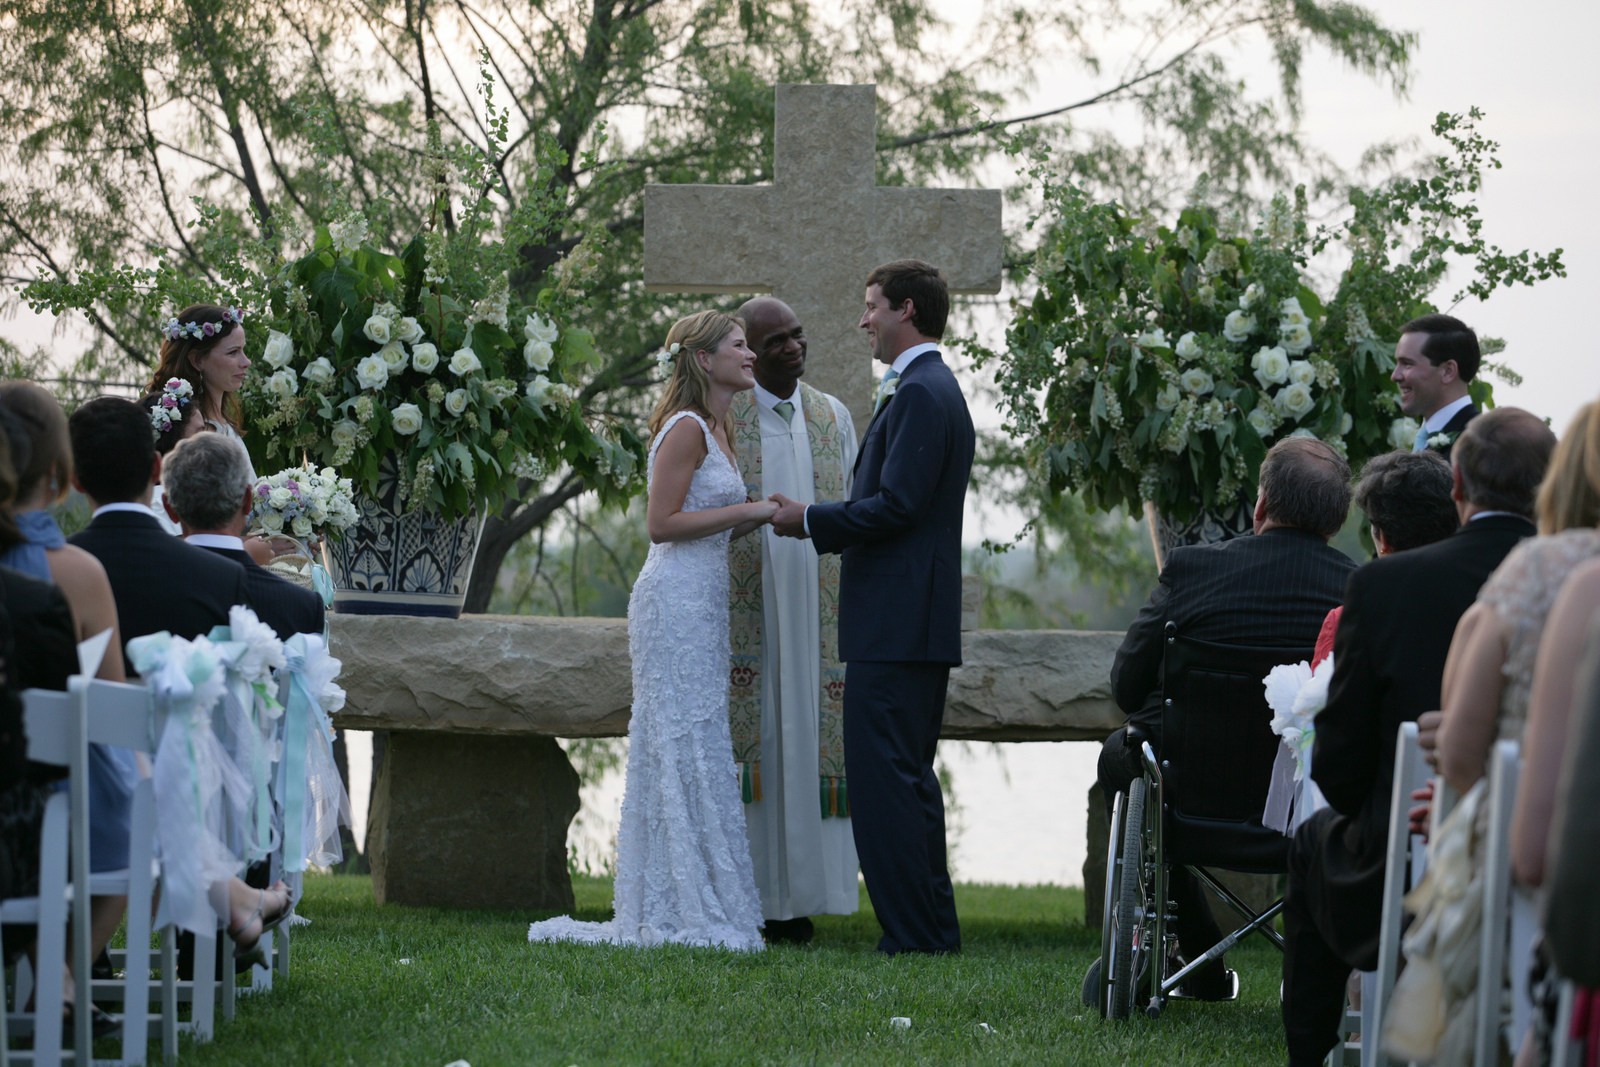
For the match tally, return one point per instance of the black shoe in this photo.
(788, 931)
(101, 1025)
(101, 968)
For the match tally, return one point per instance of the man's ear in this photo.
(249, 498)
(1449, 372)
(1261, 509)
(155, 470)
(1458, 487)
(908, 311)
(172, 512)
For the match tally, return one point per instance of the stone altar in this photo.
(472, 805)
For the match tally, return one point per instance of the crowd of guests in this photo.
(1479, 619)
(133, 570)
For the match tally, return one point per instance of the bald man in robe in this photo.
(786, 692)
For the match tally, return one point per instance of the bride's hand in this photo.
(761, 511)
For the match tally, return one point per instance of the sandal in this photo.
(253, 952)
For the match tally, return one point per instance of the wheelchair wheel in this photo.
(1096, 982)
(1126, 971)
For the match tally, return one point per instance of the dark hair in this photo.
(1448, 338)
(1306, 484)
(114, 447)
(1502, 456)
(923, 285)
(1407, 496)
(167, 440)
(39, 414)
(12, 441)
(178, 356)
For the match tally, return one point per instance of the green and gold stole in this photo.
(745, 607)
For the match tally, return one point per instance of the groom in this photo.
(899, 536)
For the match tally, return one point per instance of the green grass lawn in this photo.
(476, 990)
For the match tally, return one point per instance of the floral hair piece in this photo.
(169, 409)
(177, 331)
(664, 356)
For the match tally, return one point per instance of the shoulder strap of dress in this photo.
(672, 421)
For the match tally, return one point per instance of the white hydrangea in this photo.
(1271, 366)
(349, 233)
(1188, 347)
(372, 373)
(1206, 294)
(1356, 327)
(1238, 326)
(1196, 381)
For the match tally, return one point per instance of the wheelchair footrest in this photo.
(1179, 993)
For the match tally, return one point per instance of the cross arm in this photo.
(708, 239)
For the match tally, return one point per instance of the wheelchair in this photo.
(1197, 806)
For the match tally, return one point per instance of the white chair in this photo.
(1564, 1051)
(1504, 765)
(63, 725)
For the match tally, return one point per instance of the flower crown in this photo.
(169, 409)
(201, 330)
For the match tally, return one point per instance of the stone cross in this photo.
(812, 236)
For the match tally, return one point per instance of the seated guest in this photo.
(207, 481)
(1270, 590)
(1388, 658)
(160, 582)
(43, 478)
(1407, 498)
(1490, 669)
(174, 417)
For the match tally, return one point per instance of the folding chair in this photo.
(1504, 765)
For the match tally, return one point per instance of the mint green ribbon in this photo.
(259, 839)
(301, 710)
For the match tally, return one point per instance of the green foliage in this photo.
(1157, 363)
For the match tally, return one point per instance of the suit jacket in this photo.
(278, 602)
(900, 532)
(1267, 590)
(160, 582)
(38, 650)
(1457, 423)
(1388, 664)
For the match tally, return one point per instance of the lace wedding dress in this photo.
(683, 862)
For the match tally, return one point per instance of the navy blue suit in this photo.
(278, 602)
(900, 633)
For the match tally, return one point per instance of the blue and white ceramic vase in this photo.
(1208, 526)
(393, 562)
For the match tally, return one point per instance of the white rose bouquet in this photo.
(303, 502)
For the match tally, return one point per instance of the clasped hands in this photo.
(789, 519)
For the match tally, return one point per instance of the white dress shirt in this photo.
(141, 509)
(1441, 418)
(771, 400)
(203, 540)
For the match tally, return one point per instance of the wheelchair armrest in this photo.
(1135, 735)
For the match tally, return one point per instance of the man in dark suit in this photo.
(1269, 590)
(899, 535)
(207, 490)
(1399, 616)
(1434, 363)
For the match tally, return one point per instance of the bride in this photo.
(683, 861)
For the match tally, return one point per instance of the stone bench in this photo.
(474, 796)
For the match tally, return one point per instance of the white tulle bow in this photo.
(250, 651)
(1296, 693)
(314, 799)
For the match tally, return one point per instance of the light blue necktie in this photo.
(1421, 444)
(785, 410)
(883, 387)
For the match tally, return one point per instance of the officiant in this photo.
(786, 692)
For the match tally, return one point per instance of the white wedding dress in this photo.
(683, 861)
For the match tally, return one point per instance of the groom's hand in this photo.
(790, 518)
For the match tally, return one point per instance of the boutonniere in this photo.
(889, 387)
(1442, 440)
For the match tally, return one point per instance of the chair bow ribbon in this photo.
(313, 796)
(250, 651)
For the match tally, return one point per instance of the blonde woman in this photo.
(684, 874)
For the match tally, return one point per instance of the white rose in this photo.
(538, 354)
(301, 527)
(319, 371)
(464, 362)
(1168, 397)
(539, 328)
(279, 498)
(1296, 338)
(1290, 313)
(1153, 338)
(1238, 326)
(1303, 432)
(1260, 421)
(1302, 371)
(1252, 293)
(394, 356)
(409, 330)
(1271, 366)
(1197, 381)
(272, 522)
(283, 383)
(1188, 346)
(279, 349)
(343, 433)
(372, 373)
(455, 401)
(406, 419)
(1403, 432)
(377, 330)
(424, 357)
(1345, 422)
(1293, 400)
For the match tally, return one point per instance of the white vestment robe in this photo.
(804, 864)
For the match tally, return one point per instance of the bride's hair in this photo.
(688, 387)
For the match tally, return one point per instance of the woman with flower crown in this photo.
(684, 873)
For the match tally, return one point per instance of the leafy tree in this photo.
(152, 148)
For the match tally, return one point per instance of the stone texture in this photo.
(472, 822)
(564, 677)
(812, 236)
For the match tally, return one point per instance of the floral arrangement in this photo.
(368, 356)
(175, 395)
(1157, 363)
(303, 501)
(200, 330)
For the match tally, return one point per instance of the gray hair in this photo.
(205, 478)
